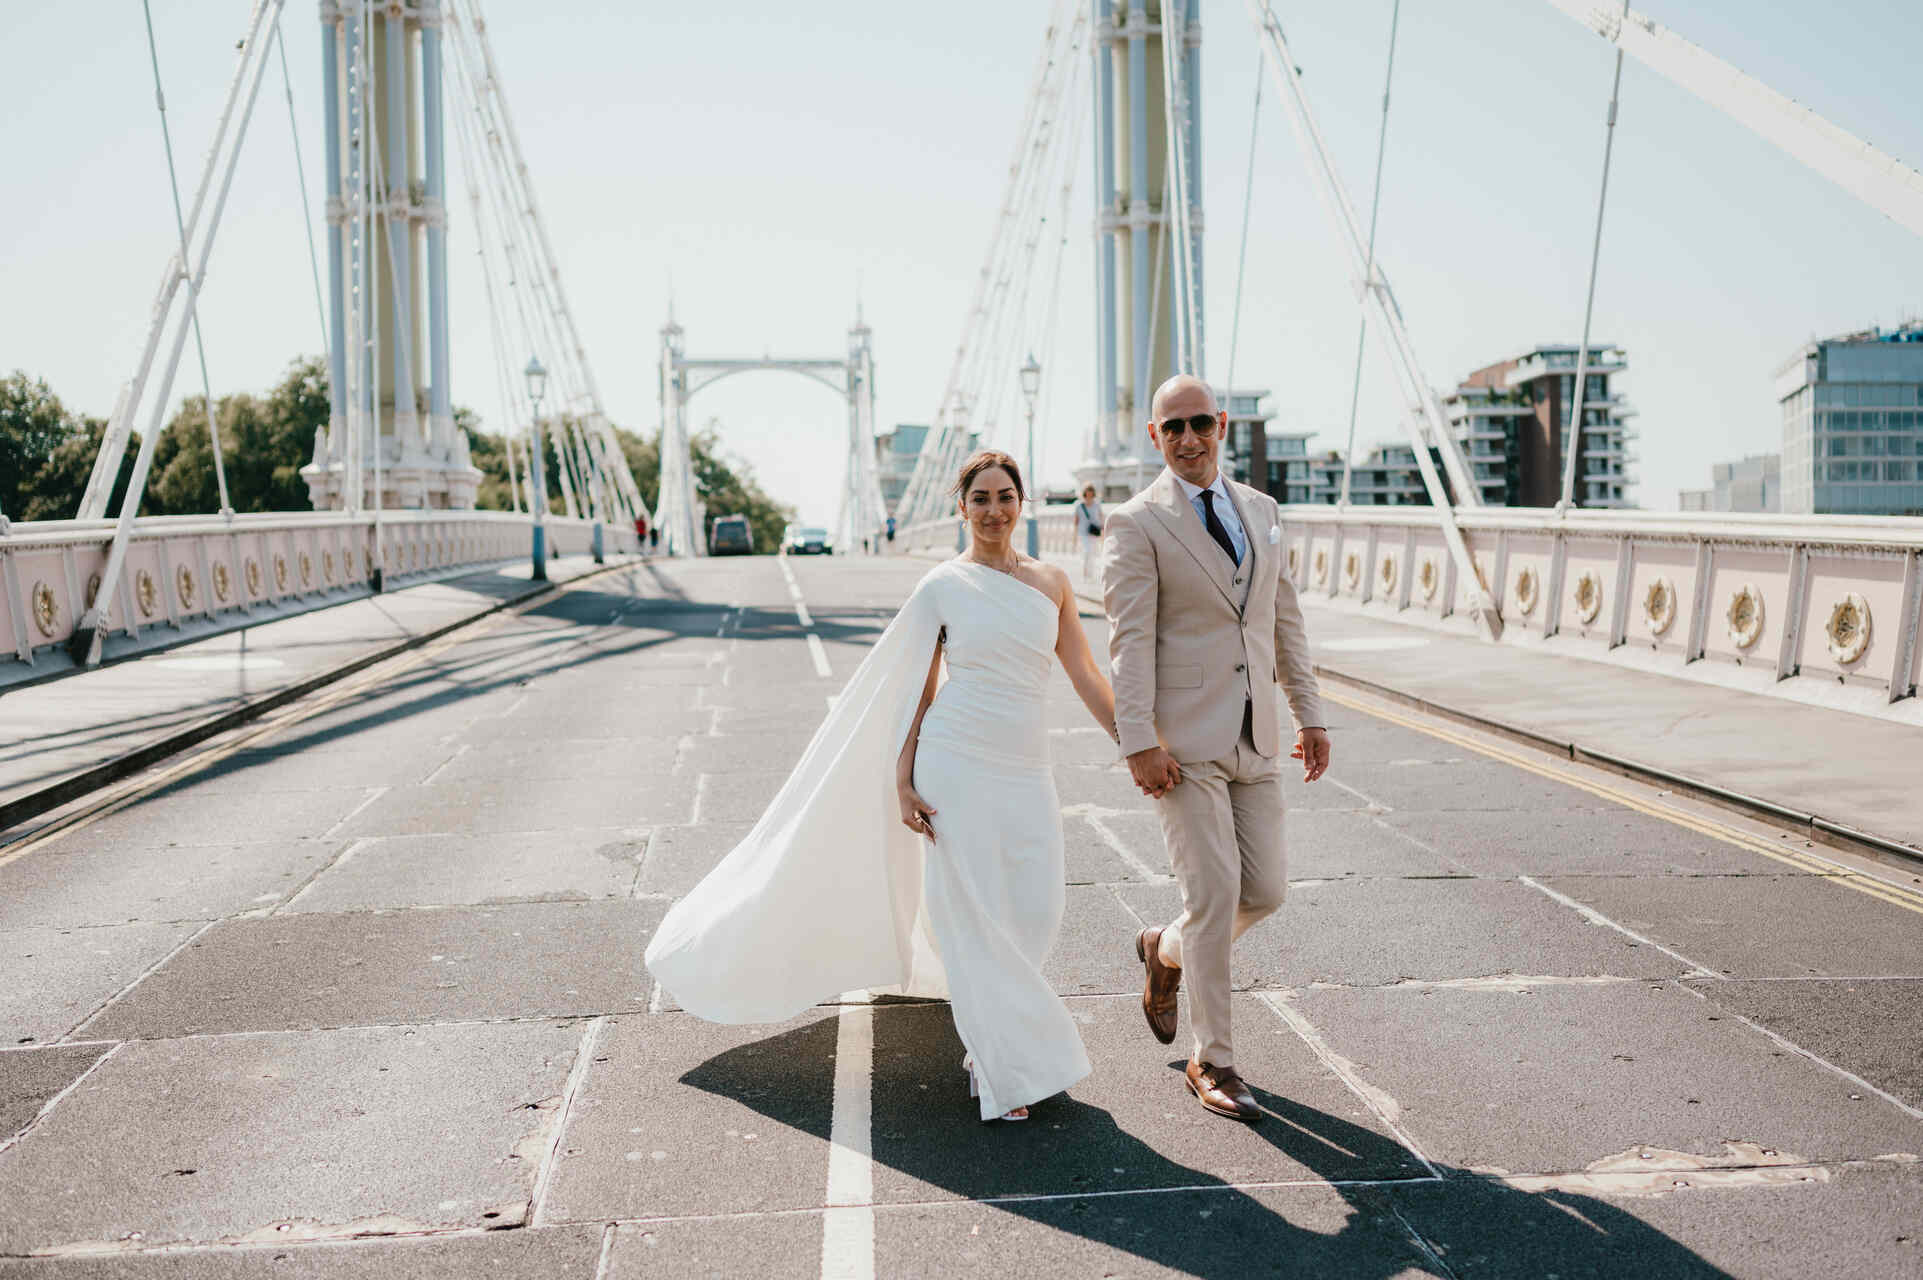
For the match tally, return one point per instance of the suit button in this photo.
(1240, 667)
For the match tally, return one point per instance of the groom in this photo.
(1203, 624)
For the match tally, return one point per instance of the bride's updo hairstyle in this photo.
(983, 461)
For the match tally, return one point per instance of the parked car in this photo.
(731, 536)
(806, 540)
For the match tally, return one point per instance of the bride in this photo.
(916, 849)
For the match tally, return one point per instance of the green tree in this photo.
(730, 489)
(264, 442)
(62, 480)
(33, 423)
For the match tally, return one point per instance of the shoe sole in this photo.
(1142, 955)
(1228, 1112)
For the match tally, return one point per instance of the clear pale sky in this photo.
(764, 157)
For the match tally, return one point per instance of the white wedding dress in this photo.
(830, 892)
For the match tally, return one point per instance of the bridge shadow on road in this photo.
(1091, 1176)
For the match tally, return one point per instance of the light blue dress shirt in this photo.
(1224, 511)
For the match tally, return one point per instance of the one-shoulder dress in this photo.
(830, 892)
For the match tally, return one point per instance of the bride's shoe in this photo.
(974, 1091)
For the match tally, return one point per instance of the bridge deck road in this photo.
(367, 999)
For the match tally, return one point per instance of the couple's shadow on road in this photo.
(1074, 1170)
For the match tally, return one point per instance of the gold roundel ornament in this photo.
(1745, 616)
(1659, 605)
(223, 581)
(146, 594)
(306, 569)
(1588, 595)
(327, 565)
(46, 609)
(93, 589)
(1528, 589)
(185, 587)
(280, 572)
(1849, 628)
(1387, 572)
(1295, 557)
(252, 573)
(1352, 569)
(1321, 566)
(1428, 578)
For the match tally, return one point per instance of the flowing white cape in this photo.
(824, 895)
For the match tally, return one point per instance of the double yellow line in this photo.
(1835, 872)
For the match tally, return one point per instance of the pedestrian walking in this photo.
(1088, 530)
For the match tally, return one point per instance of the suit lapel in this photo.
(1177, 513)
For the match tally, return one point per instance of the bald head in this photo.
(1182, 396)
(1195, 426)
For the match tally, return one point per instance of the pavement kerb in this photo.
(1822, 830)
(76, 785)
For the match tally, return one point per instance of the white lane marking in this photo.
(1385, 1107)
(848, 1218)
(458, 753)
(1363, 796)
(577, 1073)
(1094, 814)
(373, 794)
(1596, 917)
(820, 655)
(353, 848)
(1797, 1049)
(801, 614)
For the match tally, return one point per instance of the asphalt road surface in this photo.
(365, 997)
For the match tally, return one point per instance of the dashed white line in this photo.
(820, 655)
(848, 1219)
(1596, 917)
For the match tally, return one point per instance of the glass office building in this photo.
(1852, 410)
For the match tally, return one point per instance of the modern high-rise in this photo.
(896, 452)
(1512, 418)
(1754, 484)
(1852, 409)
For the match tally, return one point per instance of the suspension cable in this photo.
(1368, 265)
(1248, 204)
(193, 288)
(300, 174)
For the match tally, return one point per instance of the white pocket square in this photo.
(1275, 534)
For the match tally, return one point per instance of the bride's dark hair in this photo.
(981, 462)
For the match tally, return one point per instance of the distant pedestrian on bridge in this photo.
(641, 529)
(953, 884)
(1088, 530)
(1203, 624)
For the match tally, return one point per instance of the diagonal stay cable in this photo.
(1368, 266)
(300, 175)
(1248, 205)
(193, 287)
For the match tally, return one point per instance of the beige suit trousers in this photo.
(1223, 826)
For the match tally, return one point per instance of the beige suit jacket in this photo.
(1192, 638)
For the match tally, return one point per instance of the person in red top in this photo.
(641, 529)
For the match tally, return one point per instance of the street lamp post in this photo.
(1032, 383)
(537, 383)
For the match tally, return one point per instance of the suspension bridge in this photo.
(331, 839)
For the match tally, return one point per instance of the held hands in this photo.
(1154, 771)
(915, 812)
(1312, 749)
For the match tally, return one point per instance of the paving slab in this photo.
(179, 817)
(1210, 1234)
(74, 883)
(565, 1253)
(1873, 1028)
(679, 1116)
(1106, 787)
(1764, 926)
(299, 971)
(1457, 785)
(1330, 844)
(1095, 951)
(1853, 1222)
(735, 797)
(278, 766)
(281, 1137)
(776, 1247)
(1089, 857)
(1552, 1078)
(742, 753)
(30, 1078)
(1081, 744)
(1369, 933)
(545, 758)
(570, 865)
(523, 805)
(1130, 1126)
(57, 977)
(678, 856)
(550, 724)
(1608, 841)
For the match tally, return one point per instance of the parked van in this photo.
(731, 536)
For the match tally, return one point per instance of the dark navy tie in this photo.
(1217, 529)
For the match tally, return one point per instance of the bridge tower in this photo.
(390, 440)
(1148, 225)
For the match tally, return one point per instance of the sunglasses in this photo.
(1202, 424)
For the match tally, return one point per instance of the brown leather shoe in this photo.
(1221, 1091)
(1158, 991)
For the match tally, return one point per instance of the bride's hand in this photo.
(915, 812)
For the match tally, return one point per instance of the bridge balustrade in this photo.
(187, 576)
(1769, 603)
